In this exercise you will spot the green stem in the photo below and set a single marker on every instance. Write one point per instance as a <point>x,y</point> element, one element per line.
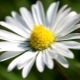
<point>60,70</point>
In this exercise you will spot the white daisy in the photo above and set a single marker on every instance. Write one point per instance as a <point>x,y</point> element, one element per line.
<point>39,38</point>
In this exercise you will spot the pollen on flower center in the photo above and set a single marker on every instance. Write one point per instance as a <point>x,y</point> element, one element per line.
<point>41,38</point>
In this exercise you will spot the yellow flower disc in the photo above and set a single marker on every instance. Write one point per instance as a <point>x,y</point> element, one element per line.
<point>41,38</point>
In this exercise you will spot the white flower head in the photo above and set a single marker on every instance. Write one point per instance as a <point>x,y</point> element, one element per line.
<point>39,38</point>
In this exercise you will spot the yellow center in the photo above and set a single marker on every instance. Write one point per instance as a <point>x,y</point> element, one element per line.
<point>41,38</point>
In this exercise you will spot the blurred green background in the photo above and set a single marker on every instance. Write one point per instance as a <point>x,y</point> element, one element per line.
<point>73,72</point>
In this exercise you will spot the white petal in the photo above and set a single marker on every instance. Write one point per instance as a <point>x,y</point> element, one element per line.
<point>10,40</point>
<point>47,60</point>
<point>70,36</point>
<point>28,56</point>
<point>35,16</point>
<point>72,28</point>
<point>66,18</point>
<point>9,19</point>
<point>40,12</point>
<point>63,50</point>
<point>61,10</point>
<point>15,29</point>
<point>39,62</point>
<point>20,66</point>
<point>51,14</point>
<point>13,64</point>
<point>11,36</point>
<point>27,68</point>
<point>59,19</point>
<point>27,17</point>
<point>18,21</point>
<point>71,44</point>
<point>62,61</point>
<point>69,23</point>
<point>52,53</point>
<point>9,46</point>
<point>21,23</point>
<point>9,54</point>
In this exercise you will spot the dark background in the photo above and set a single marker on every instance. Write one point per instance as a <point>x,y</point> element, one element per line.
<point>73,72</point>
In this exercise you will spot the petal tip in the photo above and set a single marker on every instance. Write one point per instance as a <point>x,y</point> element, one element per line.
<point>41,70</point>
<point>13,12</point>
<point>72,56</point>
<point>50,67</point>
<point>66,66</point>
<point>22,8</point>
<point>38,1</point>
<point>24,76</point>
<point>1,22</point>
<point>9,70</point>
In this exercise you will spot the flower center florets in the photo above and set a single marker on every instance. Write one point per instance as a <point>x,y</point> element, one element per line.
<point>41,38</point>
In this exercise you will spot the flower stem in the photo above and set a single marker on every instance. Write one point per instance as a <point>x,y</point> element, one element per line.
<point>60,70</point>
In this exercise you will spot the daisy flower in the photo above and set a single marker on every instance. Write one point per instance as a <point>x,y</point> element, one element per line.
<point>39,38</point>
